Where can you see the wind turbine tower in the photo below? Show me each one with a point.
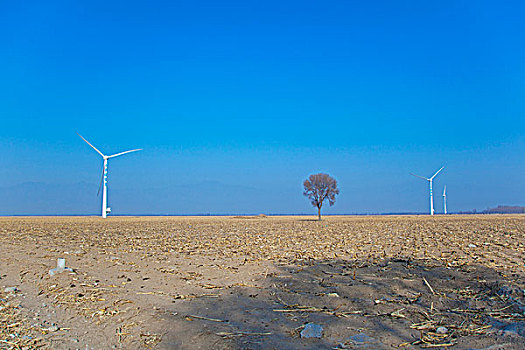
(430, 179)
(104, 179)
(445, 200)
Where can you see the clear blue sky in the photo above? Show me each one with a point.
(236, 102)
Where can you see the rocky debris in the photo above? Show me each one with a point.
(362, 341)
(442, 330)
(15, 330)
(312, 330)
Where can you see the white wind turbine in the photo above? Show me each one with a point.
(104, 179)
(430, 186)
(445, 200)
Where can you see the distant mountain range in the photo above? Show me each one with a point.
(500, 209)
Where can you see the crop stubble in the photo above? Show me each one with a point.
(253, 282)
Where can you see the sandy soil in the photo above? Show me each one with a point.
(256, 282)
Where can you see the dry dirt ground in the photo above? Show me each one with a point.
(405, 282)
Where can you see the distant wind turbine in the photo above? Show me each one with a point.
(430, 186)
(445, 200)
(104, 179)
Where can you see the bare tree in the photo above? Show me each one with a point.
(318, 188)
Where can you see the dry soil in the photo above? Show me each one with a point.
(385, 282)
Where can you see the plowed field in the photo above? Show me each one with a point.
(411, 282)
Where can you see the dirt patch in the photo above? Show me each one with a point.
(217, 283)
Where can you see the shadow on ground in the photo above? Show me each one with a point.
(360, 305)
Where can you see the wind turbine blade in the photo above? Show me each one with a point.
(101, 179)
(437, 172)
(445, 191)
(91, 145)
(421, 177)
(121, 153)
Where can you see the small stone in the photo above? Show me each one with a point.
(10, 290)
(312, 330)
(335, 295)
(472, 245)
(442, 330)
(361, 338)
(53, 329)
(363, 341)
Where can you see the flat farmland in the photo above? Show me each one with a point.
(381, 282)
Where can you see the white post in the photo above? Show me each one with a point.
(431, 199)
(105, 190)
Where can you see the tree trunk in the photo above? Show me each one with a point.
(319, 213)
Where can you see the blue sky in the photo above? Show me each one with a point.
(245, 99)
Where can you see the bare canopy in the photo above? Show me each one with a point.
(320, 187)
